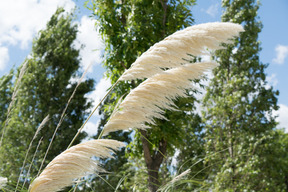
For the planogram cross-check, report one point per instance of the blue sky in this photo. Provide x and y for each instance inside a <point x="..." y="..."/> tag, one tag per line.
<point x="20" y="20"/>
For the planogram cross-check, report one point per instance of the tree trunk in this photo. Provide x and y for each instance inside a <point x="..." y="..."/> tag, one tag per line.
<point x="153" y="161"/>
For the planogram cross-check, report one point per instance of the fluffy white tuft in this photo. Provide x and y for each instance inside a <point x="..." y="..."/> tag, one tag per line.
<point x="170" y="52"/>
<point x="3" y="182"/>
<point x="153" y="96"/>
<point x="74" y="163"/>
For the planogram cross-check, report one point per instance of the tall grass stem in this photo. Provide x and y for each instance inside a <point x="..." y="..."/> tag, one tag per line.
<point x="44" y="121"/>
<point x="82" y="127"/>
<point x="14" y="94"/>
<point x="62" y="118"/>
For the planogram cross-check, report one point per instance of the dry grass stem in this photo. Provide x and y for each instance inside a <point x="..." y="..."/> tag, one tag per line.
<point x="170" y="52"/>
<point x="14" y="94"/>
<point x="180" y="176"/>
<point x="62" y="117"/>
<point x="29" y="169"/>
<point x="74" y="163"/>
<point x="44" y="121"/>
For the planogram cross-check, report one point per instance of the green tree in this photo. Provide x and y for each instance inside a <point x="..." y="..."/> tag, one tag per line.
<point x="45" y="89"/>
<point x="238" y="110"/>
<point x="129" y="28"/>
<point x="5" y="96"/>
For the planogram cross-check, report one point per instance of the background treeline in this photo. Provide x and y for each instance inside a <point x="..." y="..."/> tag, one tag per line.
<point x="232" y="145"/>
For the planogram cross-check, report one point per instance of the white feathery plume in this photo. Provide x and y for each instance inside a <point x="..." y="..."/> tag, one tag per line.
<point x="154" y="95"/>
<point x="74" y="163"/>
<point x="180" y="176"/>
<point x="3" y="182"/>
<point x="170" y="52"/>
<point x="174" y="182"/>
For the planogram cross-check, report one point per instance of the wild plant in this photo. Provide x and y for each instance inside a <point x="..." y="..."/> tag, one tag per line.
<point x="166" y="77"/>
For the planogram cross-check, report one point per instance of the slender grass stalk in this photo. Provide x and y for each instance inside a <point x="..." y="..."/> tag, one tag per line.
<point x="120" y="182"/>
<point x="29" y="169"/>
<point x="62" y="118"/>
<point x="202" y="159"/>
<point x="106" y="181"/>
<point x="75" y="188"/>
<point x="44" y="121"/>
<point x="153" y="145"/>
<point x="96" y="107"/>
<point x="14" y="94"/>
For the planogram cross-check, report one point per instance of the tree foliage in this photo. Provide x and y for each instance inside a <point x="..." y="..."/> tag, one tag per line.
<point x="45" y="90"/>
<point x="5" y="96"/>
<point x="238" y="110"/>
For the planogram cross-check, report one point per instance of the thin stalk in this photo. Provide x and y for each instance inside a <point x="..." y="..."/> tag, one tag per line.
<point x="61" y="119"/>
<point x="82" y="127"/>
<point x="105" y="181"/>
<point x="153" y="145"/>
<point x="28" y="172"/>
<point x="44" y="121"/>
<point x="75" y="188"/>
<point x="14" y="94"/>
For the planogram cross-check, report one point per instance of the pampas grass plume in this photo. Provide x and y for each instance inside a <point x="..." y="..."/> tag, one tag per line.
<point x="3" y="182"/>
<point x="153" y="96"/>
<point x="170" y="52"/>
<point x="74" y="163"/>
<point x="167" y="76"/>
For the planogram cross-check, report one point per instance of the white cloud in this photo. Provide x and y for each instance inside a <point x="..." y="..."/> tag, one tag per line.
<point x="91" y="128"/>
<point x="282" y="116"/>
<point x="213" y="10"/>
<point x="21" y="19"/>
<point x="4" y="57"/>
<point x="90" y="38"/>
<point x="281" y="54"/>
<point x="100" y="91"/>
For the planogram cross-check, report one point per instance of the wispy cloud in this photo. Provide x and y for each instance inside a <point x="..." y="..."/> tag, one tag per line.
<point x="4" y="57"/>
<point x="100" y="91"/>
<point x="24" y="18"/>
<point x="281" y="54"/>
<point x="213" y="10"/>
<point x="91" y="39"/>
<point x="91" y="128"/>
